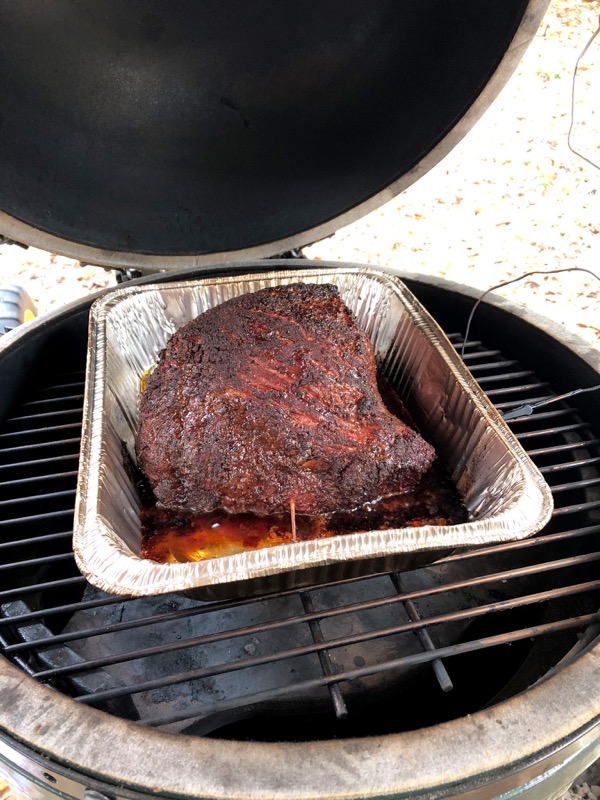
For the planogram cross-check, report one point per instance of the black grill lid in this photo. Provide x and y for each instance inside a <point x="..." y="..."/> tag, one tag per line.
<point x="152" y="133"/>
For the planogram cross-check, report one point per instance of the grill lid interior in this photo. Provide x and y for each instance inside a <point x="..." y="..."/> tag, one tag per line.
<point x="139" y="131"/>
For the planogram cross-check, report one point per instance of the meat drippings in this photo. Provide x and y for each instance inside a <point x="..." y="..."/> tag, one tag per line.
<point x="170" y="537"/>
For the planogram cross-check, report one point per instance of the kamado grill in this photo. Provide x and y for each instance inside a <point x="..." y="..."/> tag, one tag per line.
<point x="147" y="136"/>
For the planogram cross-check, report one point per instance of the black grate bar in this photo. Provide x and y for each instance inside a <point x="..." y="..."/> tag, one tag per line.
<point x="576" y="508"/>
<point x="457" y="340"/>
<point x="583" y="484"/>
<point x="26" y="448"/>
<point x="36" y="498"/>
<point x="297" y="619"/>
<point x="521" y="544"/>
<point x="36" y="518"/>
<point x="197" y="641"/>
<point x="48" y="401"/>
<point x="481" y="354"/>
<point x="9" y="594"/>
<point x="439" y="670"/>
<point x="524" y="387"/>
<point x="424" y="657"/>
<point x="39" y="462"/>
<point x="44" y="430"/>
<point x="520" y="402"/>
<point x="223" y="605"/>
<point x="476" y="368"/>
<point x="61" y="387"/>
<point x="407" y="661"/>
<point x="561" y="448"/>
<point x="541" y="415"/>
<point x="228" y="655"/>
<point x="575" y="426"/>
<point x="583" y="462"/>
<point x="44" y="415"/>
<point x="506" y="376"/>
<point x="38" y="479"/>
<point x="67" y="608"/>
<point x="339" y="704"/>
<point x="71" y="608"/>
<point x="69" y="375"/>
<point x="109" y="600"/>
<point x="36" y="562"/>
<point x="43" y="539"/>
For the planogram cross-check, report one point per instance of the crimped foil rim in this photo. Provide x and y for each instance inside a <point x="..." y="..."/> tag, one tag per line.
<point x="102" y="556"/>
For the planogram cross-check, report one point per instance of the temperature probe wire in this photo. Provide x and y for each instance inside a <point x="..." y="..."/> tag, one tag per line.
<point x="527" y="409"/>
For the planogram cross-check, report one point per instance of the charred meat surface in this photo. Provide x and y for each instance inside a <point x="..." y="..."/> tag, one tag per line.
<point x="269" y="397"/>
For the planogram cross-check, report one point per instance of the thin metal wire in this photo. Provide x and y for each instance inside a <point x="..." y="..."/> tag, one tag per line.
<point x="577" y="63"/>
<point x="515" y="280"/>
<point x="528" y="409"/>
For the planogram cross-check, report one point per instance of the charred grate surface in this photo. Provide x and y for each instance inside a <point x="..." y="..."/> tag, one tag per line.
<point x="345" y="651"/>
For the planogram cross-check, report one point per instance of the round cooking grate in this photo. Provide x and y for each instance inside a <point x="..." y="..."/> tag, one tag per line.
<point x="377" y="655"/>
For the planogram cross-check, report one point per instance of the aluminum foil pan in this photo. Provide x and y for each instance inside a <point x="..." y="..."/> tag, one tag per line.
<point x="505" y="495"/>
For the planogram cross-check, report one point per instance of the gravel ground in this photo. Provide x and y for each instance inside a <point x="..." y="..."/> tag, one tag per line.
<point x="511" y="198"/>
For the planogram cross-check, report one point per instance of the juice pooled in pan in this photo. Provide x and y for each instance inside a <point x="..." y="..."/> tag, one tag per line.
<point x="169" y="536"/>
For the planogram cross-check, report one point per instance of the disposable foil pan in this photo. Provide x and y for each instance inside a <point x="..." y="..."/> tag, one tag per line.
<point x="505" y="495"/>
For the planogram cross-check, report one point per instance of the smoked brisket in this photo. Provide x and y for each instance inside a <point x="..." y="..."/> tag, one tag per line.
<point x="272" y="397"/>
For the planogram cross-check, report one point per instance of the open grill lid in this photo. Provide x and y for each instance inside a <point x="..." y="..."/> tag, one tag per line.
<point x="170" y="135"/>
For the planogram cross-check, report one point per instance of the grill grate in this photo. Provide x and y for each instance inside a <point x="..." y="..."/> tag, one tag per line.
<point x="194" y="666"/>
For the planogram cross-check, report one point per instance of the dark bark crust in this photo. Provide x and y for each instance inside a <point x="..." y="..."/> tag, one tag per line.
<point x="269" y="397"/>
